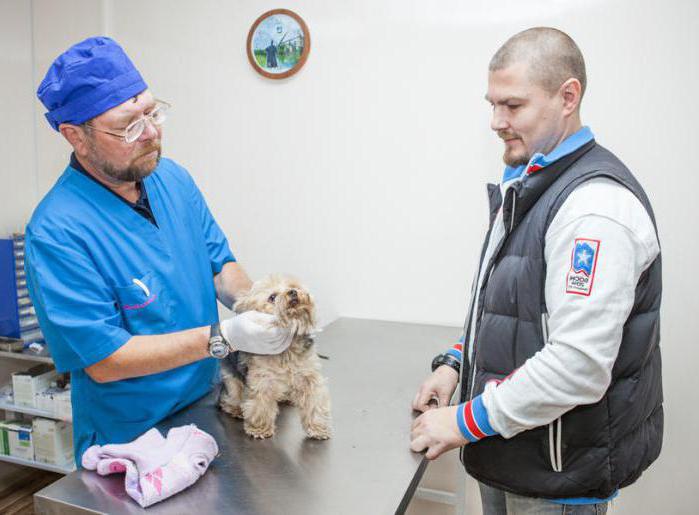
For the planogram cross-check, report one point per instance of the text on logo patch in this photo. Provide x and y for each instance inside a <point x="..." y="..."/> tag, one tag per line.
<point x="583" y="263"/>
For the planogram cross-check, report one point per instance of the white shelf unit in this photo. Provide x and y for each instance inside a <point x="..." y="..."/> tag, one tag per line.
<point x="37" y="464"/>
<point x="28" y="324"/>
<point x="6" y="406"/>
<point x="25" y="356"/>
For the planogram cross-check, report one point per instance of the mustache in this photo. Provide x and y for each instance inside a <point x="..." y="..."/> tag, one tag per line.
<point x="151" y="148"/>
<point x="507" y="135"/>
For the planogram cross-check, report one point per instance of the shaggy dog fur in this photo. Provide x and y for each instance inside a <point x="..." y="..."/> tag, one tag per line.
<point x="253" y="384"/>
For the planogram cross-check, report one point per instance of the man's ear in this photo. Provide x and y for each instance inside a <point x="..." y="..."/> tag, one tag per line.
<point x="76" y="136"/>
<point x="571" y="93"/>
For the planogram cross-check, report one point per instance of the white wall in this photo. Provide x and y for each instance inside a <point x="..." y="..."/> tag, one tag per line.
<point x="17" y="143"/>
<point x="18" y="189"/>
<point x="364" y="174"/>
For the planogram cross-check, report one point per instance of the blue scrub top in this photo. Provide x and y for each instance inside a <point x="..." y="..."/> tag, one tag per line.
<point x="84" y="248"/>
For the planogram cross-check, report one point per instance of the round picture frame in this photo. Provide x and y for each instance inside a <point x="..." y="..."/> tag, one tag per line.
<point x="278" y="44"/>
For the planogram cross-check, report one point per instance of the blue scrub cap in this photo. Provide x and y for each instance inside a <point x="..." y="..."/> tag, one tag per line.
<point x="88" y="79"/>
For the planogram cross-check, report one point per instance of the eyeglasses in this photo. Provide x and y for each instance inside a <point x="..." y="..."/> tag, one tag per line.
<point x="134" y="130"/>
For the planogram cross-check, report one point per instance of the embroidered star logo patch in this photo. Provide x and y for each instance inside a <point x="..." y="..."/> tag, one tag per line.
<point x="583" y="263"/>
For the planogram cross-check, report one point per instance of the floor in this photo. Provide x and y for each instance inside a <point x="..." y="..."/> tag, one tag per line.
<point x="16" y="497"/>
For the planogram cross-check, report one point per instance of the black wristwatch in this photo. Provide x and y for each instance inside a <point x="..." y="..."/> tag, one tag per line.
<point x="218" y="346"/>
<point x="448" y="360"/>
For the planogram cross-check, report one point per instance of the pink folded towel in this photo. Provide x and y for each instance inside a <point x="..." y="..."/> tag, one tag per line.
<point x="156" y="467"/>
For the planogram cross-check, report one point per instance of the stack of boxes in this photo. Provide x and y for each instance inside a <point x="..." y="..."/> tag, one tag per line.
<point x="28" y="384"/>
<point x="40" y="439"/>
<point x="56" y="401"/>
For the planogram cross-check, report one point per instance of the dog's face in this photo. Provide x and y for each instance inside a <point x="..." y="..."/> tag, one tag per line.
<point x="284" y="297"/>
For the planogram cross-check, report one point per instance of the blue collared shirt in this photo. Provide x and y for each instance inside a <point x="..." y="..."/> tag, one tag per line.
<point x="538" y="160"/>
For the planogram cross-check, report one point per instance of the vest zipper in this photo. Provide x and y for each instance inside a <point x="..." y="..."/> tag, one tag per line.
<point x="463" y="381"/>
<point x="487" y="272"/>
<point x="512" y="219"/>
<point x="486" y="277"/>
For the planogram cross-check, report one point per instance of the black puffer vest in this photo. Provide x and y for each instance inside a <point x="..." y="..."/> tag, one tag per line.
<point x="606" y="445"/>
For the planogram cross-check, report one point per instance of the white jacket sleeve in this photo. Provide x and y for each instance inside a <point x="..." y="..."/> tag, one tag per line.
<point x="598" y="245"/>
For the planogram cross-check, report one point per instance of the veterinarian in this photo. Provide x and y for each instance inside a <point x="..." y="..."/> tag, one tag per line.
<point x="124" y="260"/>
<point x="561" y="397"/>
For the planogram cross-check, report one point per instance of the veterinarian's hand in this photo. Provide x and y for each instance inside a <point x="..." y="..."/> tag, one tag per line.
<point x="440" y="385"/>
<point x="255" y="332"/>
<point x="437" y="432"/>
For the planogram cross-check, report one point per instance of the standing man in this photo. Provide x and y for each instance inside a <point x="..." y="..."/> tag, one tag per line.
<point x="561" y="395"/>
<point x="124" y="260"/>
<point x="271" y="55"/>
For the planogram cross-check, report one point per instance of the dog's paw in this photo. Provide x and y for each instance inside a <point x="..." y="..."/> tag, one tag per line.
<point x="233" y="410"/>
<point x="319" y="431"/>
<point x="259" y="432"/>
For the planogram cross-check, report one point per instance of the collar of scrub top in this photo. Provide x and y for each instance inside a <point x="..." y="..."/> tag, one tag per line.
<point x="539" y="161"/>
<point x="141" y="206"/>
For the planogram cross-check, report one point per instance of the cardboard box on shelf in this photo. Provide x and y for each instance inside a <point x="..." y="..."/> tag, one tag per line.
<point x="26" y="385"/>
<point x="53" y="441"/>
<point x="17" y="439"/>
<point x="56" y="401"/>
<point x="62" y="406"/>
<point x="46" y="399"/>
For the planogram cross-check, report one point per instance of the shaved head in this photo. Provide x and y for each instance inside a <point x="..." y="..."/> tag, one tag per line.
<point x="550" y="55"/>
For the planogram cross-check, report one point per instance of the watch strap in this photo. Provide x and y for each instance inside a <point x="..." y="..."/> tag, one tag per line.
<point x="446" y="359"/>
<point x="215" y="330"/>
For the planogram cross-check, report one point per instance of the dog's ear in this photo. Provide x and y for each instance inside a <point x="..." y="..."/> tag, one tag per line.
<point x="244" y="302"/>
<point x="312" y="311"/>
<point x="256" y="299"/>
<point x="314" y="320"/>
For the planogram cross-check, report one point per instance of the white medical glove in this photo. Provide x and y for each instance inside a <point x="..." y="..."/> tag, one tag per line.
<point x="255" y="333"/>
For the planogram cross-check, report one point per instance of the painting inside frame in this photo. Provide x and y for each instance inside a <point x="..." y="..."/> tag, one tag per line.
<point x="278" y="43"/>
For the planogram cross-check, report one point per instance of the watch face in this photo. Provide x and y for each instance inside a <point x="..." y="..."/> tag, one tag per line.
<point x="218" y="349"/>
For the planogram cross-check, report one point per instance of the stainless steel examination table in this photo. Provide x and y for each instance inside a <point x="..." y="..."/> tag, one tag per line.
<point x="374" y="370"/>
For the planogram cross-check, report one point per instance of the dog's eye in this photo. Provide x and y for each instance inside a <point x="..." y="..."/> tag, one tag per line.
<point x="272" y="297"/>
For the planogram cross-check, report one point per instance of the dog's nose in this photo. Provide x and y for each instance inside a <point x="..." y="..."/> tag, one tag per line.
<point x="293" y="297"/>
<point x="293" y="294"/>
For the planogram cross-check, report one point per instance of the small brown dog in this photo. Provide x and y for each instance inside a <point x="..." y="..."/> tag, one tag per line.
<point x="253" y="384"/>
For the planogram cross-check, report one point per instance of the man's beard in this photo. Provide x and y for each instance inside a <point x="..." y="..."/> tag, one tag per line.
<point x="513" y="157"/>
<point x="134" y="172"/>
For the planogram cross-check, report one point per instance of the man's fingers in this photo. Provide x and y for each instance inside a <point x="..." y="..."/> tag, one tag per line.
<point x="434" y="451"/>
<point x="423" y="397"/>
<point x="444" y="400"/>
<point x="417" y="427"/>
<point x="416" y="401"/>
<point x="420" y="400"/>
<point x="416" y="423"/>
<point x="419" y="443"/>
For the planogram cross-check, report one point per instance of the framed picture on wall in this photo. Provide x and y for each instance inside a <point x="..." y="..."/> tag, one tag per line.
<point x="278" y="44"/>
